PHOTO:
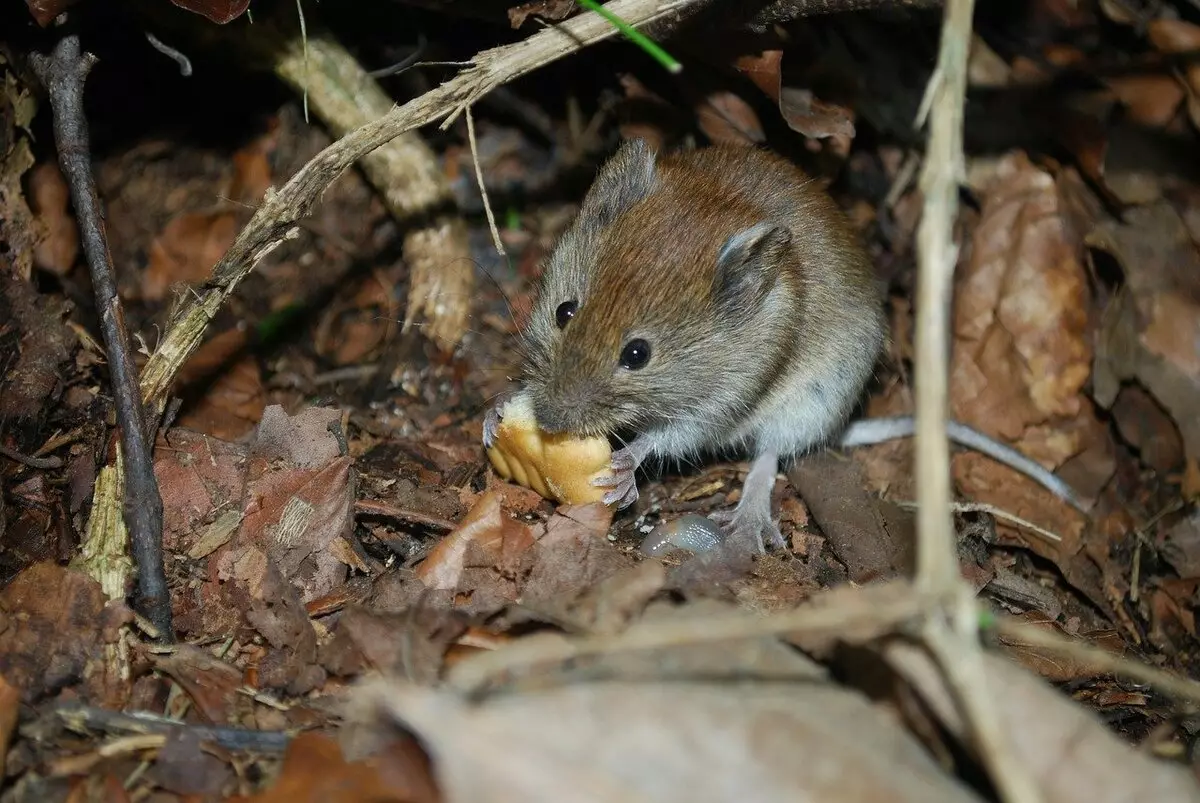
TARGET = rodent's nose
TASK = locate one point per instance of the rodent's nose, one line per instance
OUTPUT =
(562, 410)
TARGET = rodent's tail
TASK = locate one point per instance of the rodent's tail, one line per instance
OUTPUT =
(870, 431)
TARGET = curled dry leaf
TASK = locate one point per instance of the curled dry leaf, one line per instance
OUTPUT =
(801, 109)
(727, 119)
(1071, 755)
(51, 201)
(316, 771)
(186, 250)
(1150, 100)
(218, 11)
(806, 114)
(1022, 350)
(551, 10)
(211, 683)
(1151, 330)
(1177, 37)
(690, 741)
(228, 382)
(485, 527)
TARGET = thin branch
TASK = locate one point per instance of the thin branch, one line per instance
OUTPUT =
(32, 462)
(84, 719)
(280, 210)
(63, 74)
(1018, 633)
(487, 205)
(951, 630)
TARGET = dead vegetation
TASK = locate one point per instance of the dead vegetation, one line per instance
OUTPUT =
(318, 291)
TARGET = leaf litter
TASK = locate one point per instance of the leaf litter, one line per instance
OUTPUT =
(344, 565)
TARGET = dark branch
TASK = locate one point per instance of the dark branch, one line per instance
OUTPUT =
(63, 74)
(83, 719)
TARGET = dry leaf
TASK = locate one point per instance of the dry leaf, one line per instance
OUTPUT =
(727, 119)
(1150, 332)
(51, 201)
(315, 771)
(186, 251)
(218, 11)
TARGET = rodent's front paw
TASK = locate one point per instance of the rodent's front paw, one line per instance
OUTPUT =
(556, 465)
(491, 423)
(622, 480)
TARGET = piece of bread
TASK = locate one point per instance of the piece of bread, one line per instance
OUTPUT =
(558, 466)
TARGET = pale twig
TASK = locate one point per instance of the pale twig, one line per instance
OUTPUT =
(1000, 513)
(277, 216)
(950, 633)
(1024, 634)
(858, 614)
(487, 206)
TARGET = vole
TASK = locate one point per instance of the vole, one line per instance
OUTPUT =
(710, 301)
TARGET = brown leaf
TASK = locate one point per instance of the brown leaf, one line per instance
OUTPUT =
(44, 11)
(197, 476)
(485, 528)
(703, 739)
(210, 682)
(300, 499)
(186, 250)
(1145, 425)
(50, 634)
(222, 386)
(573, 555)
(1022, 353)
(1053, 666)
(808, 115)
(763, 70)
(727, 119)
(51, 202)
(218, 11)
(552, 10)
(1177, 37)
(1150, 332)
(316, 771)
(1150, 100)
(10, 709)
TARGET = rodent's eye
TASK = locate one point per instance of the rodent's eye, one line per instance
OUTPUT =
(565, 312)
(635, 355)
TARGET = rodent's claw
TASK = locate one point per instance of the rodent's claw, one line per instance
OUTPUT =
(624, 488)
(491, 423)
(622, 480)
(749, 531)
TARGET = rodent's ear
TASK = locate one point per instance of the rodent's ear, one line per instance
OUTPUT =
(626, 178)
(748, 265)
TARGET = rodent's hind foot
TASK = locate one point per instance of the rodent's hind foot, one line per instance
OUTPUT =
(624, 491)
(749, 530)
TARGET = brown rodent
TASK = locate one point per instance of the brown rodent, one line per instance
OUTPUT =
(706, 301)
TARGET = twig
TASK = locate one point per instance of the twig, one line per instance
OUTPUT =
(1000, 513)
(63, 75)
(852, 614)
(487, 206)
(84, 719)
(280, 210)
(32, 462)
(1023, 634)
(185, 65)
(366, 507)
(951, 633)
